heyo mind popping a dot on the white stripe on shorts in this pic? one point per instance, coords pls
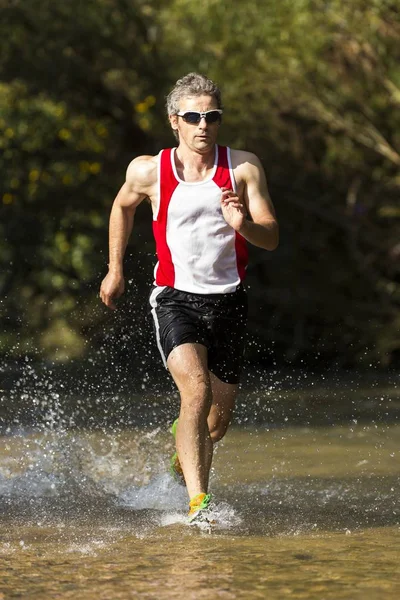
(153, 303)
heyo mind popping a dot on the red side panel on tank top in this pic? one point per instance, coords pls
(165, 274)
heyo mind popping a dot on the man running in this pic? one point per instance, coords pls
(208, 201)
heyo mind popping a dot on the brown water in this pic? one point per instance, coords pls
(301, 513)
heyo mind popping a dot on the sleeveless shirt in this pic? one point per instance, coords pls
(197, 251)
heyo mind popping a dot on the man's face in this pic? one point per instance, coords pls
(201, 136)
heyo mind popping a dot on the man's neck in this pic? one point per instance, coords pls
(194, 162)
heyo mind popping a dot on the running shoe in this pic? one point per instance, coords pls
(175, 467)
(199, 509)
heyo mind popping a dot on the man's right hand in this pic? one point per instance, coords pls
(112, 287)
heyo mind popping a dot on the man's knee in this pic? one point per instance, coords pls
(196, 395)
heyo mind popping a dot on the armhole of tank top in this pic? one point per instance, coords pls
(157, 208)
(231, 173)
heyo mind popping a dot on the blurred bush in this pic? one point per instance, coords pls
(312, 87)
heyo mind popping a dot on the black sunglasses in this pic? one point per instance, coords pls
(193, 117)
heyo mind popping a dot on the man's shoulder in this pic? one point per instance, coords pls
(241, 157)
(244, 163)
(142, 169)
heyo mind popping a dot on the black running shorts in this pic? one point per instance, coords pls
(217, 321)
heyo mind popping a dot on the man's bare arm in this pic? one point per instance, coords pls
(262, 230)
(120, 227)
(140, 177)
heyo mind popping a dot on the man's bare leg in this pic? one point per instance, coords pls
(187, 364)
(223, 403)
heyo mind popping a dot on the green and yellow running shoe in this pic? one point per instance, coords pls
(175, 467)
(199, 509)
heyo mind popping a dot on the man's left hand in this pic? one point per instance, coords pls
(233, 210)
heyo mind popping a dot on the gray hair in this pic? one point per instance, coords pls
(192, 84)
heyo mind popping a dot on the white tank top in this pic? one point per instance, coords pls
(197, 250)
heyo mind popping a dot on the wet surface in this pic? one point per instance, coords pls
(301, 512)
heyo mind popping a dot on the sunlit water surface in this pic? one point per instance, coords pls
(300, 513)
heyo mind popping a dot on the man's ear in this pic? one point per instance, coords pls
(173, 119)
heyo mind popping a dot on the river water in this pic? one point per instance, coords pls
(301, 512)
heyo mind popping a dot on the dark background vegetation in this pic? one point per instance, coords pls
(312, 87)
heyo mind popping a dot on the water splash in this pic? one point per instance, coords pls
(59, 472)
(162, 493)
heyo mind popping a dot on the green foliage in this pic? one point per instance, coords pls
(75, 105)
(312, 87)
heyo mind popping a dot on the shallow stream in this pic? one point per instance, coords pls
(301, 512)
